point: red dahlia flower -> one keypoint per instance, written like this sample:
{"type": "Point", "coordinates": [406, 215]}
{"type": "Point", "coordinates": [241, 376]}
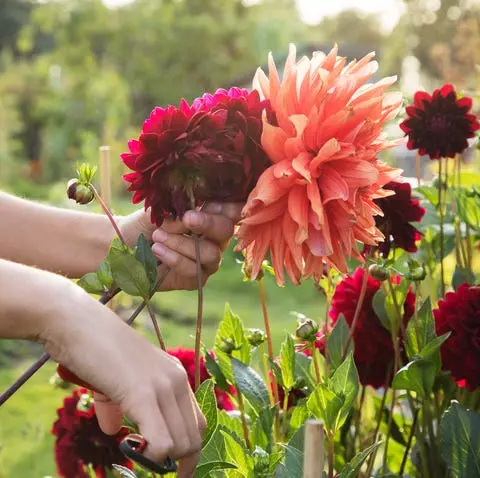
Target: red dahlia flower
{"type": "Point", "coordinates": [398, 212]}
{"type": "Point", "coordinates": [212, 147]}
{"type": "Point", "coordinates": [80, 441]}
{"type": "Point", "coordinates": [439, 125]}
{"type": "Point", "coordinates": [187, 358]}
{"type": "Point", "coordinates": [373, 353]}
{"type": "Point", "coordinates": [459, 313]}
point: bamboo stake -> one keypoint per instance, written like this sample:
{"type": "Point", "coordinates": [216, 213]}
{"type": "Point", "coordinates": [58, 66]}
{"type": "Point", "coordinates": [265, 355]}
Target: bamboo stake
{"type": "Point", "coordinates": [314, 457]}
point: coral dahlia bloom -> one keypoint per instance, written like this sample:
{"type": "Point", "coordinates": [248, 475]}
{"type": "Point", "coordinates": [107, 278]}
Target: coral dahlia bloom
{"type": "Point", "coordinates": [211, 147]}
{"type": "Point", "coordinates": [187, 358]}
{"type": "Point", "coordinates": [439, 124]}
{"type": "Point", "coordinates": [80, 441]}
{"type": "Point", "coordinates": [459, 313]}
{"type": "Point", "coordinates": [373, 352]}
{"type": "Point", "coordinates": [399, 211]}
{"type": "Point", "coordinates": [317, 198]}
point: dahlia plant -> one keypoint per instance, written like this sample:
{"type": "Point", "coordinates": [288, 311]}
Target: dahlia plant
{"type": "Point", "coordinates": [392, 370]}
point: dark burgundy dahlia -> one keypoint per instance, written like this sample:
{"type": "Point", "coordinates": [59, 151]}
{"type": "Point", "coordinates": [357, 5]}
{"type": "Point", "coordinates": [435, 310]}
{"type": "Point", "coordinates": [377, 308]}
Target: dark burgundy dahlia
{"type": "Point", "coordinates": [80, 441]}
{"type": "Point", "coordinates": [399, 211]}
{"type": "Point", "coordinates": [439, 125]}
{"type": "Point", "coordinates": [187, 358]}
{"type": "Point", "coordinates": [373, 353]}
{"type": "Point", "coordinates": [210, 148]}
{"type": "Point", "coordinates": [459, 314]}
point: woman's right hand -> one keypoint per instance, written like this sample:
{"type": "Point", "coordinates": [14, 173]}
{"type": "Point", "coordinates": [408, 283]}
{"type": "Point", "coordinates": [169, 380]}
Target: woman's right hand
{"type": "Point", "coordinates": [140, 380]}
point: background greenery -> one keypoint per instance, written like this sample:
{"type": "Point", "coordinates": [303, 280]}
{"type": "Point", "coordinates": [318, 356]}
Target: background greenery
{"type": "Point", "coordinates": [75, 75]}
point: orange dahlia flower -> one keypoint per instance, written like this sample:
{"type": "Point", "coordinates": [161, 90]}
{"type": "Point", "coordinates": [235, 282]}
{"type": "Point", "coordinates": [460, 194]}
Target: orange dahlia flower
{"type": "Point", "coordinates": [316, 200]}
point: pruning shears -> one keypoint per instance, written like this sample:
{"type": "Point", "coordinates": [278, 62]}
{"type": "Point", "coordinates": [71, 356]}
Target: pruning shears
{"type": "Point", "coordinates": [133, 446]}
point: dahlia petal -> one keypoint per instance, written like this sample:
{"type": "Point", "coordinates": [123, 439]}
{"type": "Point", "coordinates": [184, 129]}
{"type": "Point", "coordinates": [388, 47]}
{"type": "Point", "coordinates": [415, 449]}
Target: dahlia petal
{"type": "Point", "coordinates": [261, 83]}
{"type": "Point", "coordinates": [313, 194]}
{"type": "Point", "coordinates": [273, 142]}
{"type": "Point", "coordinates": [357, 173]}
{"type": "Point", "coordinates": [332, 185]}
{"type": "Point", "coordinates": [331, 147]}
{"type": "Point", "coordinates": [268, 213]}
{"type": "Point", "coordinates": [298, 210]}
{"type": "Point", "coordinates": [300, 164]}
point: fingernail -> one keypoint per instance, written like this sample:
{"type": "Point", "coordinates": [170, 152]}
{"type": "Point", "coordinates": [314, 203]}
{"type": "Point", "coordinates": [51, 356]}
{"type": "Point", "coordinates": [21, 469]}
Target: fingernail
{"type": "Point", "coordinates": [193, 218]}
{"type": "Point", "coordinates": [159, 249]}
{"type": "Point", "coordinates": [160, 235]}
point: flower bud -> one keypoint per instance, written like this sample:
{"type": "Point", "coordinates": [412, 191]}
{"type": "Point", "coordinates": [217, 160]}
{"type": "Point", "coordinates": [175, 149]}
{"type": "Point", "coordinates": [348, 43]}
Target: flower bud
{"type": "Point", "coordinates": [261, 461]}
{"type": "Point", "coordinates": [256, 337]}
{"type": "Point", "coordinates": [378, 272]}
{"type": "Point", "coordinates": [85, 403]}
{"type": "Point", "coordinates": [57, 382]}
{"type": "Point", "coordinates": [307, 330]}
{"type": "Point", "coordinates": [416, 274]}
{"type": "Point", "coordinates": [80, 193]}
{"type": "Point", "coordinates": [227, 346]}
{"type": "Point", "coordinates": [247, 272]}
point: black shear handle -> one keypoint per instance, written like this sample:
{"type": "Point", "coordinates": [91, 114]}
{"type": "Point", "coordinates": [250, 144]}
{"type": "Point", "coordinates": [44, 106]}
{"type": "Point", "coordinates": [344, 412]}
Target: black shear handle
{"type": "Point", "coordinates": [133, 445]}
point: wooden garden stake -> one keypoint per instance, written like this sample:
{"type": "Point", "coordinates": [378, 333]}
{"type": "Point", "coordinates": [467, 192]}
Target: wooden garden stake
{"type": "Point", "coordinates": [314, 457]}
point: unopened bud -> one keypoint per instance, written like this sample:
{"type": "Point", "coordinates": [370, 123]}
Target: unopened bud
{"type": "Point", "coordinates": [378, 272]}
{"type": "Point", "coordinates": [57, 382]}
{"type": "Point", "coordinates": [307, 330]}
{"type": "Point", "coordinates": [261, 461]}
{"type": "Point", "coordinates": [247, 272]}
{"type": "Point", "coordinates": [256, 337]}
{"type": "Point", "coordinates": [80, 193]}
{"type": "Point", "coordinates": [227, 346]}
{"type": "Point", "coordinates": [85, 403]}
{"type": "Point", "coordinates": [416, 274]}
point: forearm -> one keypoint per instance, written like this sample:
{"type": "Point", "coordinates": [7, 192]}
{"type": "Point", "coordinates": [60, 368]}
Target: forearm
{"type": "Point", "coordinates": [29, 299]}
{"type": "Point", "coordinates": [68, 242]}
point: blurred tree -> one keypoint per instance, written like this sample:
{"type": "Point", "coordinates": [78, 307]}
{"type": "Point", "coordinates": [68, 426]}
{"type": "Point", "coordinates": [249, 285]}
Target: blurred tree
{"type": "Point", "coordinates": [13, 15]}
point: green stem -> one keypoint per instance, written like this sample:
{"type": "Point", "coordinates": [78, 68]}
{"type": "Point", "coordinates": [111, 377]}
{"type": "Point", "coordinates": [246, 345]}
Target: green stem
{"type": "Point", "coordinates": [266, 371]}
{"type": "Point", "coordinates": [315, 362]}
{"type": "Point", "coordinates": [155, 324]}
{"type": "Point", "coordinates": [440, 206]}
{"type": "Point", "coordinates": [241, 408]}
{"type": "Point", "coordinates": [409, 443]}
{"type": "Point", "coordinates": [331, 455]}
{"type": "Point", "coordinates": [285, 414]}
{"type": "Point", "coordinates": [357, 419]}
{"type": "Point", "coordinates": [432, 439]}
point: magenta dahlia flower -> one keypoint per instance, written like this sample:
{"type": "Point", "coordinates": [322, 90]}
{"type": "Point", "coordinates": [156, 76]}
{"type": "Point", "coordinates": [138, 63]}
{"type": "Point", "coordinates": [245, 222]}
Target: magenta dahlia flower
{"type": "Point", "coordinates": [459, 314]}
{"type": "Point", "coordinates": [439, 124]}
{"type": "Point", "coordinates": [399, 211]}
{"type": "Point", "coordinates": [80, 441]}
{"type": "Point", "coordinates": [211, 147]}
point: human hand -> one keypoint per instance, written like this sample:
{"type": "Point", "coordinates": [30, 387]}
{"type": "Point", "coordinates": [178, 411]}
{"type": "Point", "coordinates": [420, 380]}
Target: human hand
{"type": "Point", "coordinates": [141, 381]}
{"type": "Point", "coordinates": [176, 250]}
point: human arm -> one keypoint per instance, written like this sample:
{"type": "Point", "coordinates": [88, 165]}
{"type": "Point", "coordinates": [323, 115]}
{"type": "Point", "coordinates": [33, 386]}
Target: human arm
{"type": "Point", "coordinates": [148, 385]}
{"type": "Point", "coordinates": [74, 242]}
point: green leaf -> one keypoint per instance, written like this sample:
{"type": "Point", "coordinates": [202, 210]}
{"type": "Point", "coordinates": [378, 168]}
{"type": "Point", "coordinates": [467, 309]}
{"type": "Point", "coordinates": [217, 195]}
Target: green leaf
{"type": "Point", "coordinates": [250, 385]}
{"type": "Point", "coordinates": [214, 370]}
{"type": "Point", "coordinates": [287, 363]}
{"type": "Point", "coordinates": [91, 284]}
{"type": "Point", "coordinates": [336, 342]}
{"type": "Point", "coordinates": [293, 465]}
{"type": "Point", "coordinates": [325, 405]}
{"type": "Point", "coordinates": [434, 345]}
{"type": "Point", "coordinates": [231, 327]}
{"type": "Point", "coordinates": [417, 376]}
{"type": "Point", "coordinates": [378, 304]}
{"type": "Point", "coordinates": [352, 468]}
{"type": "Point", "coordinates": [263, 429]}
{"type": "Point", "coordinates": [207, 402]}
{"type": "Point", "coordinates": [430, 193]}
{"type": "Point", "coordinates": [460, 276]}
{"type": "Point", "coordinates": [215, 449]}
{"type": "Point", "coordinates": [204, 470]}
{"type": "Point", "coordinates": [299, 416]}
{"type": "Point", "coordinates": [303, 369]}
{"type": "Point", "coordinates": [460, 441]}
{"type": "Point", "coordinates": [129, 273]}
{"type": "Point", "coordinates": [420, 331]}
{"type": "Point", "coordinates": [124, 472]}
{"type": "Point", "coordinates": [225, 365]}
{"type": "Point", "coordinates": [237, 454]}
{"type": "Point", "coordinates": [468, 208]}
{"type": "Point", "coordinates": [277, 372]}
{"type": "Point", "coordinates": [104, 274]}
{"type": "Point", "coordinates": [144, 253]}
{"type": "Point", "coordinates": [344, 383]}
{"type": "Point", "coordinates": [232, 422]}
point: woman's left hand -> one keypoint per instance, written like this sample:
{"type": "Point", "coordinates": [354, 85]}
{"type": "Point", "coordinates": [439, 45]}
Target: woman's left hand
{"type": "Point", "coordinates": [175, 248]}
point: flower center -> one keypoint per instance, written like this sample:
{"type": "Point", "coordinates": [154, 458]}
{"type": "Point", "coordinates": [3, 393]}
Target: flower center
{"type": "Point", "coordinates": [439, 123]}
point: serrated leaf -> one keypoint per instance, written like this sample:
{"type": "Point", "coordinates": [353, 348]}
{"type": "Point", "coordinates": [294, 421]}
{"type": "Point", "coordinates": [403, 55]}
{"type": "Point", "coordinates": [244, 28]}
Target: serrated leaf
{"type": "Point", "coordinates": [303, 369]}
{"type": "Point", "coordinates": [128, 273]}
{"type": "Point", "coordinates": [104, 274]}
{"type": "Point", "coordinates": [90, 283]}
{"type": "Point", "coordinates": [430, 193]}
{"type": "Point", "coordinates": [237, 454]}
{"type": "Point", "coordinates": [460, 441]}
{"type": "Point", "coordinates": [232, 422]}
{"type": "Point", "coordinates": [420, 330]}
{"type": "Point", "coordinates": [124, 472]}
{"type": "Point", "coordinates": [215, 371]}
{"type": "Point", "coordinates": [293, 465]}
{"type": "Point", "coordinates": [325, 405]}
{"type": "Point", "coordinates": [231, 327]}
{"type": "Point", "coordinates": [352, 468]}
{"type": "Point", "coordinates": [277, 372]}
{"type": "Point", "coordinates": [144, 253]}
{"type": "Point", "coordinates": [215, 449]}
{"type": "Point", "coordinates": [417, 376]}
{"type": "Point", "coordinates": [336, 342]}
{"type": "Point", "coordinates": [287, 363]}
{"type": "Point", "coordinates": [207, 402]}
{"type": "Point", "coordinates": [299, 416]}
{"type": "Point", "coordinates": [250, 385]}
{"type": "Point", "coordinates": [204, 470]}
{"type": "Point", "coordinates": [378, 304]}
{"type": "Point", "coordinates": [263, 429]}
{"type": "Point", "coordinates": [344, 383]}
{"type": "Point", "coordinates": [434, 345]}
